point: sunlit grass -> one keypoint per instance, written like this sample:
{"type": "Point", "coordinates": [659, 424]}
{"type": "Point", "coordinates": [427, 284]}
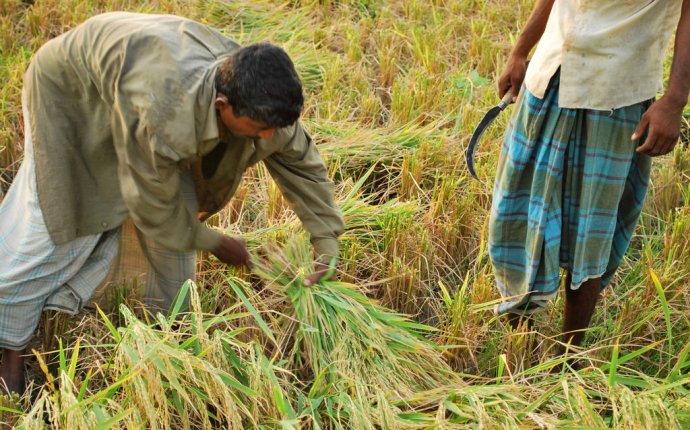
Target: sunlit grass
{"type": "Point", "coordinates": [394, 89]}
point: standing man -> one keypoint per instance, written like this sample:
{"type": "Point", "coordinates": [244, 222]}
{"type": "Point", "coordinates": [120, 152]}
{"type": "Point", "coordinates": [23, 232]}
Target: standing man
{"type": "Point", "coordinates": [574, 168]}
{"type": "Point", "coordinates": [153, 118]}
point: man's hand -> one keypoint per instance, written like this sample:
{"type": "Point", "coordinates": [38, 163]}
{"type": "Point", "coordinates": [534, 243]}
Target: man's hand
{"type": "Point", "coordinates": [514, 73]}
{"type": "Point", "coordinates": [321, 270]}
{"type": "Point", "coordinates": [233, 251]}
{"type": "Point", "coordinates": [512, 76]}
{"type": "Point", "coordinates": [662, 120]}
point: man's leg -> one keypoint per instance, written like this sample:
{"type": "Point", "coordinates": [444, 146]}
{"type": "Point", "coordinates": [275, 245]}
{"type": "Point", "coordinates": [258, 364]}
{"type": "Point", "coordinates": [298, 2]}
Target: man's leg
{"type": "Point", "coordinates": [579, 308]}
{"type": "Point", "coordinates": [32, 267]}
{"type": "Point", "coordinates": [12, 372]}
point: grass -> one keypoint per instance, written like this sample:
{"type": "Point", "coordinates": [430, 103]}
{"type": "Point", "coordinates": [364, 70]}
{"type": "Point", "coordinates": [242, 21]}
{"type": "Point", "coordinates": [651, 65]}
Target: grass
{"type": "Point", "coordinates": [406, 338]}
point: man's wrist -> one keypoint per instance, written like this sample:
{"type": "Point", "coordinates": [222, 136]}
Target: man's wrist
{"type": "Point", "coordinates": [207, 239]}
{"type": "Point", "coordinates": [519, 54]}
{"type": "Point", "coordinates": [676, 98]}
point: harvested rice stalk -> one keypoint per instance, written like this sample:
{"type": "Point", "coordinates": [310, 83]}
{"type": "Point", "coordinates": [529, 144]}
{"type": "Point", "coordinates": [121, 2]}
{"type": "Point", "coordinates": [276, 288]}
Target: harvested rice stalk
{"type": "Point", "coordinates": [346, 339]}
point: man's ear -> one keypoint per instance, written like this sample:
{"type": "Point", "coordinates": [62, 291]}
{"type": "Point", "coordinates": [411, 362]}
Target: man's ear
{"type": "Point", "coordinates": [221, 101]}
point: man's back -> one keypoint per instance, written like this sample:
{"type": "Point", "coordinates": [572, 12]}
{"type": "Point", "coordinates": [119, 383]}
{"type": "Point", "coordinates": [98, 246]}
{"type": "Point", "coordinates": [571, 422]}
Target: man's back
{"type": "Point", "coordinates": [118, 79]}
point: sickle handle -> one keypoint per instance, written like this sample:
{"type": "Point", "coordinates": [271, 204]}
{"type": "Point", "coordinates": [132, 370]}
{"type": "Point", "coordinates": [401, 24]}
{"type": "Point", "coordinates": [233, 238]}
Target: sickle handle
{"type": "Point", "coordinates": [506, 100]}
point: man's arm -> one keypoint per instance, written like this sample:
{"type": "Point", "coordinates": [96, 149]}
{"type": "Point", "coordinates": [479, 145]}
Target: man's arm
{"type": "Point", "coordinates": [662, 119]}
{"type": "Point", "coordinates": [303, 179]}
{"type": "Point", "coordinates": [514, 72]}
{"type": "Point", "coordinates": [150, 181]}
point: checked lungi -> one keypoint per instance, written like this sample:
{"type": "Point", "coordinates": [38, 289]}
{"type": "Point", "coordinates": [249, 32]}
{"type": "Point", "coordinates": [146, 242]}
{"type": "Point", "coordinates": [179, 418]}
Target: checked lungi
{"type": "Point", "coordinates": [568, 194]}
{"type": "Point", "coordinates": [37, 274]}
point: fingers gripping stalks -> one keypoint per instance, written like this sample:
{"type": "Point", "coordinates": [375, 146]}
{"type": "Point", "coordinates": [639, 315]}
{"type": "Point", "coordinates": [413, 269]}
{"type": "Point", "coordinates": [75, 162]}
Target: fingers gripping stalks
{"type": "Point", "coordinates": [233, 251]}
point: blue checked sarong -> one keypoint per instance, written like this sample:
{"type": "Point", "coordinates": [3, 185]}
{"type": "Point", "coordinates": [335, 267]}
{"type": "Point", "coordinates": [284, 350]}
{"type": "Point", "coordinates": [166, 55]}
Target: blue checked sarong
{"type": "Point", "coordinates": [568, 194]}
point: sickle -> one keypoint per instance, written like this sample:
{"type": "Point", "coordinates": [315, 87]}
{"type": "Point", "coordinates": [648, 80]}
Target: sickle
{"type": "Point", "coordinates": [489, 117]}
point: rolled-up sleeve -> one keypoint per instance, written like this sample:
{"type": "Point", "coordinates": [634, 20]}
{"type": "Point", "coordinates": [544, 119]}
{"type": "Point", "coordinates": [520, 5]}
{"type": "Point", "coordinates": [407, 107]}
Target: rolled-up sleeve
{"type": "Point", "coordinates": [302, 177]}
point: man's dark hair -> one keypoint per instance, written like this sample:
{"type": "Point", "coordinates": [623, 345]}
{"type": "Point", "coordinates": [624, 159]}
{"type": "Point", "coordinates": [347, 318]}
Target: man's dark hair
{"type": "Point", "coordinates": [261, 82]}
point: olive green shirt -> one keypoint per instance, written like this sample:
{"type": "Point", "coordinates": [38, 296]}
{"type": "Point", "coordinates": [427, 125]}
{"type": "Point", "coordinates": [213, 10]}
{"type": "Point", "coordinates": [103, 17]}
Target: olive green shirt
{"type": "Point", "coordinates": [122, 105]}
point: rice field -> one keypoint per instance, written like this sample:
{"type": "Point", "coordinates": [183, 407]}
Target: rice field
{"type": "Point", "coordinates": [406, 337]}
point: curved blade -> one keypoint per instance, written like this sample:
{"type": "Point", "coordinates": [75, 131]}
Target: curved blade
{"type": "Point", "coordinates": [489, 117]}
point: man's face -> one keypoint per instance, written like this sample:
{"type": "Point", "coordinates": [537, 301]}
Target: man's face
{"type": "Point", "coordinates": [241, 126]}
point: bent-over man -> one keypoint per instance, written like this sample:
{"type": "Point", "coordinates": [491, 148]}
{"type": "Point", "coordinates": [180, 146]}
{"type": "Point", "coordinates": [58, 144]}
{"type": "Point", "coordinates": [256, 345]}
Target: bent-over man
{"type": "Point", "coordinates": [153, 118]}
